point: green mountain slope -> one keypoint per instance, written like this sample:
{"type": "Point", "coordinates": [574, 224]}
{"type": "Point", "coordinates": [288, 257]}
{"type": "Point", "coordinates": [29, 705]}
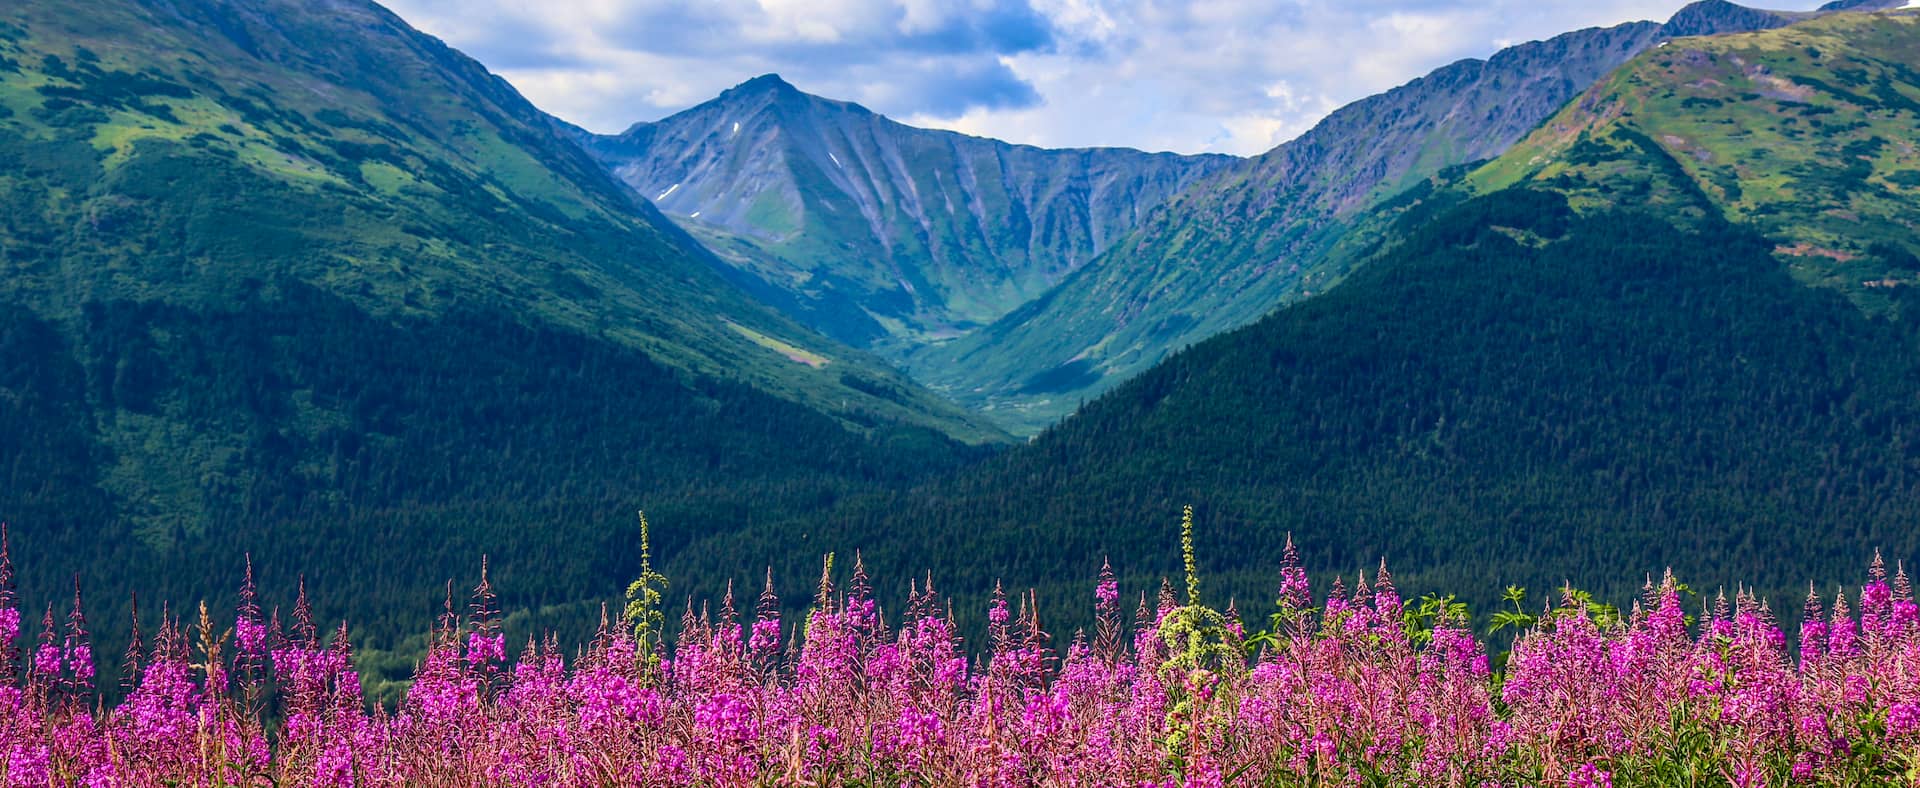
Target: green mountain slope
{"type": "Point", "coordinates": [292, 278]}
{"type": "Point", "coordinates": [878, 233]}
{"type": "Point", "coordinates": [189, 151]}
{"type": "Point", "coordinates": [1235, 245]}
{"type": "Point", "coordinates": [1805, 133]}
{"type": "Point", "coordinates": [1517, 386]}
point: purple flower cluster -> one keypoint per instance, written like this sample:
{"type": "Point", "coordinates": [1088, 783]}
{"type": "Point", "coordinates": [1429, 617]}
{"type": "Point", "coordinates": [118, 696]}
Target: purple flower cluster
{"type": "Point", "coordinates": [1346, 688]}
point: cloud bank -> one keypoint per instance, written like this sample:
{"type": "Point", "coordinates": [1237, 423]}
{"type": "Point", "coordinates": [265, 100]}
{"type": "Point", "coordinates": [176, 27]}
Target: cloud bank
{"type": "Point", "coordinates": [1227, 76]}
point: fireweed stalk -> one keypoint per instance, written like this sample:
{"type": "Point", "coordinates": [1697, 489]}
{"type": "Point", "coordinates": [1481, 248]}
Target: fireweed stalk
{"type": "Point", "coordinates": [1343, 689]}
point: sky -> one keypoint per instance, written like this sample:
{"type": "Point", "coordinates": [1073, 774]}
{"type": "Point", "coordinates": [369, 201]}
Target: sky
{"type": "Point", "coordinates": [1219, 76]}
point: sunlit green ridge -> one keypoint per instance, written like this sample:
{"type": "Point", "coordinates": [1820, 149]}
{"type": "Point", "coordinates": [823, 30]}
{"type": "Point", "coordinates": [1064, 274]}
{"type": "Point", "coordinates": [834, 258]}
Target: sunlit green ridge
{"type": "Point", "coordinates": [192, 151]}
{"type": "Point", "coordinates": [1805, 133]}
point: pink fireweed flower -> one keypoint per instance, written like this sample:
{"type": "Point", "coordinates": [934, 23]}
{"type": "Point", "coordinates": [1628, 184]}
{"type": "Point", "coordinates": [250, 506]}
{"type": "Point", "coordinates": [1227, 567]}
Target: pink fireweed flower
{"type": "Point", "coordinates": [249, 629]}
{"type": "Point", "coordinates": [1590, 776]}
{"type": "Point", "coordinates": [1803, 768]}
{"type": "Point", "coordinates": [9, 626]}
{"type": "Point", "coordinates": [1342, 696]}
{"type": "Point", "coordinates": [80, 660]}
{"type": "Point", "coordinates": [250, 636]}
{"type": "Point", "coordinates": [1295, 593]}
{"type": "Point", "coordinates": [1842, 637]}
{"type": "Point", "coordinates": [1903, 720]}
{"type": "Point", "coordinates": [484, 649]}
{"type": "Point", "coordinates": [46, 656]}
{"type": "Point", "coordinates": [1813, 631]}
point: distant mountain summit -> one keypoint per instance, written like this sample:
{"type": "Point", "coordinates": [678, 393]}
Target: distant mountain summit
{"type": "Point", "coordinates": [879, 233]}
{"type": "Point", "coordinates": [1715, 17]}
{"type": "Point", "coordinates": [1864, 5]}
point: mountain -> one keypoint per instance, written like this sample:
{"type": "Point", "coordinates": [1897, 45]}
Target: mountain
{"type": "Point", "coordinates": [1522, 383]}
{"type": "Point", "coordinates": [1232, 246]}
{"type": "Point", "coordinates": [1864, 5]}
{"type": "Point", "coordinates": [880, 234]}
{"type": "Point", "coordinates": [405, 204]}
{"type": "Point", "coordinates": [291, 278]}
{"type": "Point", "coordinates": [1802, 134]}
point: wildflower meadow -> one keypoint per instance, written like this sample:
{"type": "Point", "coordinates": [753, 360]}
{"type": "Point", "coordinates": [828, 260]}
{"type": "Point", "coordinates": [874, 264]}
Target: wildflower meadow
{"type": "Point", "coordinates": [1353, 686]}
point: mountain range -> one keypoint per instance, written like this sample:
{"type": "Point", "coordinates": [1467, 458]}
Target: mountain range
{"type": "Point", "coordinates": [1021, 281]}
{"type": "Point", "coordinates": [1658, 333]}
{"type": "Point", "coordinates": [1267, 231]}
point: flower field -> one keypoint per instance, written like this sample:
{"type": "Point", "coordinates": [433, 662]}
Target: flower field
{"type": "Point", "coordinates": [1349, 687]}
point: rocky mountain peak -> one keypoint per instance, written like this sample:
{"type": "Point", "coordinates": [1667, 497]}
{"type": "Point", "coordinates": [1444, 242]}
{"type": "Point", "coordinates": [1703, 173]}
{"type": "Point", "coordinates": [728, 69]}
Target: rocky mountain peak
{"type": "Point", "coordinates": [1715, 17]}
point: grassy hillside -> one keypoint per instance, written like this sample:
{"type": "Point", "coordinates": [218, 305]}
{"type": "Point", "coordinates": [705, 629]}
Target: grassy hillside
{"type": "Point", "coordinates": [190, 152]}
{"type": "Point", "coordinates": [1805, 133]}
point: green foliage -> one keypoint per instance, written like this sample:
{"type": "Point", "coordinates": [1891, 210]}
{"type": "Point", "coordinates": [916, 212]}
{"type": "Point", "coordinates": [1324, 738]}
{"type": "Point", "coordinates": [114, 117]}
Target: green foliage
{"type": "Point", "coordinates": [1516, 619]}
{"type": "Point", "coordinates": [1430, 611]}
{"type": "Point", "coordinates": [643, 612]}
{"type": "Point", "coordinates": [1203, 650]}
{"type": "Point", "coordinates": [1573, 602]}
{"type": "Point", "coordinates": [1584, 603]}
{"type": "Point", "coordinates": [1187, 560]}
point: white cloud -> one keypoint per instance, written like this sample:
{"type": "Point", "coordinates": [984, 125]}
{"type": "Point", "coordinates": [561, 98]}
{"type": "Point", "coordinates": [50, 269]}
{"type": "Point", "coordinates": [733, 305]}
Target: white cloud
{"type": "Point", "coordinates": [1234, 76]}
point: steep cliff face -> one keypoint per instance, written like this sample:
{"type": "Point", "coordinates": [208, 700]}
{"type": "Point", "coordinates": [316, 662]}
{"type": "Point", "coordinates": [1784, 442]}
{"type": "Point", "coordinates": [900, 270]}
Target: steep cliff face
{"type": "Point", "coordinates": [879, 233]}
{"type": "Point", "coordinates": [1234, 245]}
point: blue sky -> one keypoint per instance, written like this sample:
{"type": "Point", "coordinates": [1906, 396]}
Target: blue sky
{"type": "Point", "coordinates": [1229, 76]}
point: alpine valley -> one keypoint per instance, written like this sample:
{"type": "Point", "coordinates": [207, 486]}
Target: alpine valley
{"type": "Point", "coordinates": [1672, 327]}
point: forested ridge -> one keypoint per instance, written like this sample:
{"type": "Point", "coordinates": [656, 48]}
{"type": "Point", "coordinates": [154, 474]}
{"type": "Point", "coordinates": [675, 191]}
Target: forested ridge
{"type": "Point", "coordinates": [1514, 393]}
{"type": "Point", "coordinates": [386, 457]}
